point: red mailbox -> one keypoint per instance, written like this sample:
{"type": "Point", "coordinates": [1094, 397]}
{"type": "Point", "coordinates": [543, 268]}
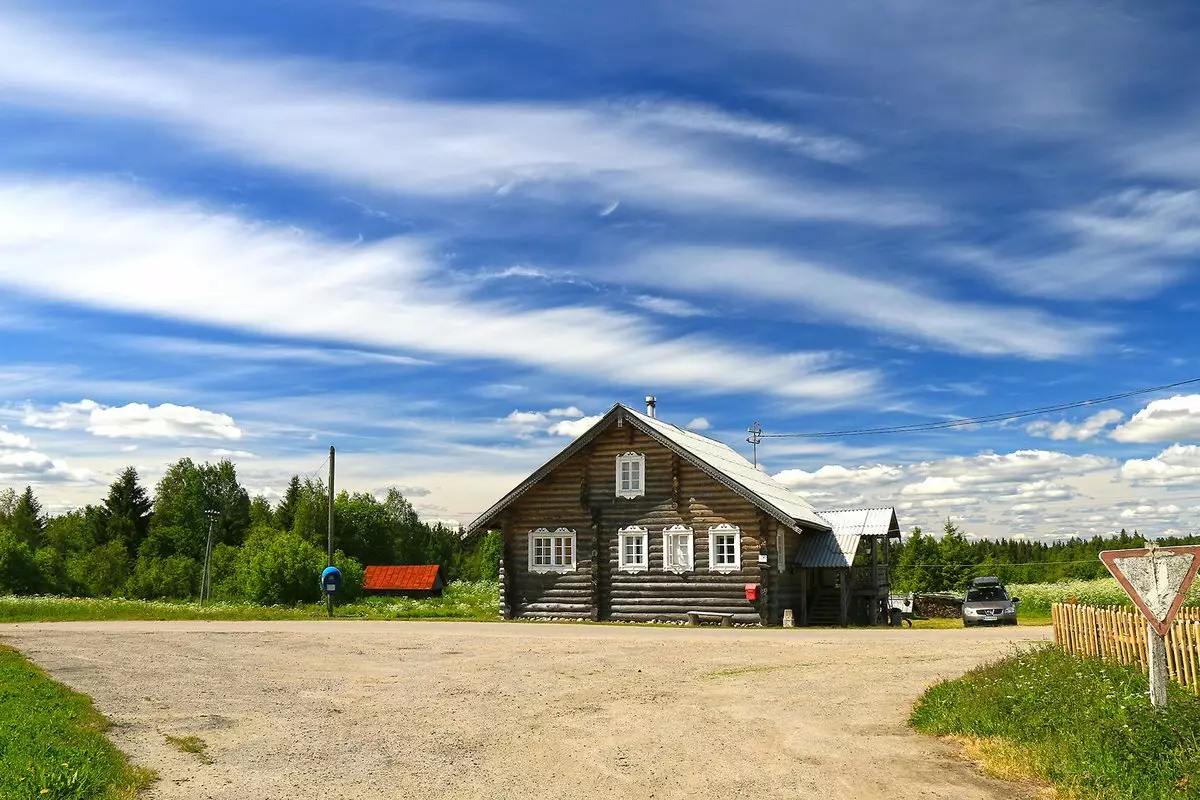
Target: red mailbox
{"type": "Point", "coordinates": [752, 592]}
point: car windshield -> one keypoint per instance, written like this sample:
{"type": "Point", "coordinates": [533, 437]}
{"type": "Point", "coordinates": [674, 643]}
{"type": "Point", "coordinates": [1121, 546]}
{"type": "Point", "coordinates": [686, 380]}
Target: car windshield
{"type": "Point", "coordinates": [986, 594]}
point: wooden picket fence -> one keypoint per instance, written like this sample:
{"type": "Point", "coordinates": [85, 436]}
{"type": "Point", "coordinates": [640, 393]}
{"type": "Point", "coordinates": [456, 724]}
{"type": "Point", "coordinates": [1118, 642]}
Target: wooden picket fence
{"type": "Point", "coordinates": [1118, 633]}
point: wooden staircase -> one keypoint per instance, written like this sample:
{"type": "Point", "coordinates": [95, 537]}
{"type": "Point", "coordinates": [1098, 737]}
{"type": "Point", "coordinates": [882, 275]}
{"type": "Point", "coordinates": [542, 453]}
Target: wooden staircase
{"type": "Point", "coordinates": [824, 607]}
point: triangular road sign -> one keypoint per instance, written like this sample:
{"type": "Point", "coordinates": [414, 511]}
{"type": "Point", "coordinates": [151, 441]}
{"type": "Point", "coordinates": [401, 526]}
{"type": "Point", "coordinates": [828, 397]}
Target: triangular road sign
{"type": "Point", "coordinates": [1156, 579]}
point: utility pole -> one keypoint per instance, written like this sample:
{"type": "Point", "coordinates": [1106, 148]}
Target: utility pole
{"type": "Point", "coordinates": [755, 438]}
{"type": "Point", "coordinates": [206, 575]}
{"type": "Point", "coordinates": [328, 596]}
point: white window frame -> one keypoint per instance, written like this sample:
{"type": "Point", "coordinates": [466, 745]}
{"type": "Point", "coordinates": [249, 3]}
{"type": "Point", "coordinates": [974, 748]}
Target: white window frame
{"type": "Point", "coordinates": [724, 529]}
{"type": "Point", "coordinates": [668, 551]}
{"type": "Point", "coordinates": [632, 458]}
{"type": "Point", "coordinates": [557, 551]}
{"type": "Point", "coordinates": [625, 535]}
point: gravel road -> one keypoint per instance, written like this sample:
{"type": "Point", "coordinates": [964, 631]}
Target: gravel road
{"type": "Point", "coordinates": [480, 710]}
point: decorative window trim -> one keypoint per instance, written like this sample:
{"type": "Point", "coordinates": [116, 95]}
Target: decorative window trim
{"type": "Point", "coordinates": [724, 530]}
{"type": "Point", "coordinates": [679, 530]}
{"type": "Point", "coordinates": [623, 536]}
{"type": "Point", "coordinates": [559, 558]}
{"type": "Point", "coordinates": [632, 458]}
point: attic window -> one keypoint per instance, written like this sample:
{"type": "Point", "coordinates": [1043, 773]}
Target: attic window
{"type": "Point", "coordinates": [634, 549]}
{"type": "Point", "coordinates": [552, 552]}
{"type": "Point", "coordinates": [724, 548]}
{"type": "Point", "coordinates": [631, 475]}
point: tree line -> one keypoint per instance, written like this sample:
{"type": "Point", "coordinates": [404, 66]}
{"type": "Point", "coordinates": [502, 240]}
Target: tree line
{"type": "Point", "coordinates": [134, 544]}
{"type": "Point", "coordinates": [923, 563]}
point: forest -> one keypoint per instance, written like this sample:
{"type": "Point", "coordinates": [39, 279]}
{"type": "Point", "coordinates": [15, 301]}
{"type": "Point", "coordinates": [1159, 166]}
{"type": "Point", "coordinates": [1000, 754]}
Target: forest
{"type": "Point", "coordinates": [924, 563]}
{"type": "Point", "coordinates": [136, 545]}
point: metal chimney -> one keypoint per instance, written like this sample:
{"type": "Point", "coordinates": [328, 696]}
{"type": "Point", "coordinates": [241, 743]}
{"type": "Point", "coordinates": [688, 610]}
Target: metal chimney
{"type": "Point", "coordinates": [651, 403]}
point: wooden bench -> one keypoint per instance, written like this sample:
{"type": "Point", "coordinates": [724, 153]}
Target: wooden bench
{"type": "Point", "coordinates": [694, 618]}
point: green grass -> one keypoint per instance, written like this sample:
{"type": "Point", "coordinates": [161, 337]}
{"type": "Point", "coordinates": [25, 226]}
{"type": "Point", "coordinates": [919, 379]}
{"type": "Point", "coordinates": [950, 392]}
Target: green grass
{"type": "Point", "coordinates": [190, 744]}
{"type": "Point", "coordinates": [52, 743]}
{"type": "Point", "coordinates": [460, 600]}
{"type": "Point", "coordinates": [1082, 725]}
{"type": "Point", "coordinates": [1036, 598]}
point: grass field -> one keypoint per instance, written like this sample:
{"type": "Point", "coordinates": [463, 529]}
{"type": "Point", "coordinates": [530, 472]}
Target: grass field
{"type": "Point", "coordinates": [460, 600]}
{"type": "Point", "coordinates": [52, 743]}
{"type": "Point", "coordinates": [1036, 598]}
{"type": "Point", "coordinates": [1083, 725]}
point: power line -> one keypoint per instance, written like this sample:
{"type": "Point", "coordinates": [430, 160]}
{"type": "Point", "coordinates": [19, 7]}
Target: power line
{"type": "Point", "coordinates": [958, 423]}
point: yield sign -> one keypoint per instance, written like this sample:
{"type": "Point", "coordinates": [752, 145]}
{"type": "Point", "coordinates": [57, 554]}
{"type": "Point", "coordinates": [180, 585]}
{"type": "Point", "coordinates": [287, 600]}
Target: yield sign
{"type": "Point", "coordinates": [1156, 579]}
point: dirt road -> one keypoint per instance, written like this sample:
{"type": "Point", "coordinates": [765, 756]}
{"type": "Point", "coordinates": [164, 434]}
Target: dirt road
{"type": "Point", "coordinates": [480, 710]}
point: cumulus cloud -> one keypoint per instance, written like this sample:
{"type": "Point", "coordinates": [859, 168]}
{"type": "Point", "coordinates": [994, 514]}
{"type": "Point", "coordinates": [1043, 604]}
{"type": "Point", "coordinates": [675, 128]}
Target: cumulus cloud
{"type": "Point", "coordinates": [569, 422]}
{"type": "Point", "coordinates": [221, 452]}
{"type": "Point", "coordinates": [14, 441]}
{"type": "Point", "coordinates": [35, 467]}
{"type": "Point", "coordinates": [1090, 428]}
{"type": "Point", "coordinates": [135, 421]}
{"type": "Point", "coordinates": [1172, 419]}
{"type": "Point", "coordinates": [699, 424]}
{"type": "Point", "coordinates": [1176, 466]}
{"type": "Point", "coordinates": [573, 428]}
{"type": "Point", "coordinates": [837, 476]}
{"type": "Point", "coordinates": [64, 416]}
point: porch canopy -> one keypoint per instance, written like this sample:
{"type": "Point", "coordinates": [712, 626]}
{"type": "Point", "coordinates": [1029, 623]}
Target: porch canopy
{"type": "Point", "coordinates": [836, 548]}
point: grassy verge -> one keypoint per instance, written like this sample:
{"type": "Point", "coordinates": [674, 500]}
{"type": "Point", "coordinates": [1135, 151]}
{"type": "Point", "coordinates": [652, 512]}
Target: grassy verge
{"type": "Point", "coordinates": [462, 600]}
{"type": "Point", "coordinates": [52, 743]}
{"type": "Point", "coordinates": [1083, 725]}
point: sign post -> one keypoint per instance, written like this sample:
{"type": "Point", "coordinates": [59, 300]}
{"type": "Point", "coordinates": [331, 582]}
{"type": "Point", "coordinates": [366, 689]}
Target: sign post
{"type": "Point", "coordinates": [1156, 580]}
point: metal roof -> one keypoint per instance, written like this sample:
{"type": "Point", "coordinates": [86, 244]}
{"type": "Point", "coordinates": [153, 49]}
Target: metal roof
{"type": "Point", "coordinates": [401, 578]}
{"type": "Point", "coordinates": [724, 459]}
{"type": "Point", "coordinates": [717, 460]}
{"type": "Point", "coordinates": [835, 549]}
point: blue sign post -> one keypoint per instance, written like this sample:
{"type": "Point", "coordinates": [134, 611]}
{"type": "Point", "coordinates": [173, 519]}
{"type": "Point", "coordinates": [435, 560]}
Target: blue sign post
{"type": "Point", "coordinates": [331, 581]}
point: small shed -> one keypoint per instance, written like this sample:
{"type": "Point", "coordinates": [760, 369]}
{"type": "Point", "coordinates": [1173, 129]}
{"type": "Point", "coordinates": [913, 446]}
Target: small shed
{"type": "Point", "coordinates": [411, 580]}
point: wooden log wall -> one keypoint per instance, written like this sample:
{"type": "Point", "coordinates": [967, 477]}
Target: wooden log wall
{"type": "Point", "coordinates": [581, 495]}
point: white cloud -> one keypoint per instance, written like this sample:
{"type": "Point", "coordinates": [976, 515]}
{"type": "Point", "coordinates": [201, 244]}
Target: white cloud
{"type": "Point", "coordinates": [699, 424]}
{"type": "Point", "coordinates": [105, 246]}
{"type": "Point", "coordinates": [1177, 465]}
{"type": "Point", "coordinates": [14, 441]}
{"type": "Point", "coordinates": [141, 421]}
{"type": "Point", "coordinates": [710, 120]}
{"type": "Point", "coordinates": [129, 448]}
{"type": "Point", "coordinates": [573, 428]}
{"type": "Point", "coordinates": [64, 416]}
{"type": "Point", "coordinates": [669, 306]}
{"type": "Point", "coordinates": [890, 306]}
{"type": "Point", "coordinates": [134, 421]}
{"type": "Point", "coordinates": [1090, 428]}
{"type": "Point", "coordinates": [569, 411]}
{"type": "Point", "coordinates": [336, 129]}
{"type": "Point", "coordinates": [837, 476]}
{"type": "Point", "coordinates": [35, 468]}
{"type": "Point", "coordinates": [221, 452]}
{"type": "Point", "coordinates": [1169, 420]}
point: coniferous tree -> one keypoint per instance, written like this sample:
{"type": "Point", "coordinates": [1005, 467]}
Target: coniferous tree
{"type": "Point", "coordinates": [26, 523]}
{"type": "Point", "coordinates": [127, 511]}
{"type": "Point", "coordinates": [285, 514]}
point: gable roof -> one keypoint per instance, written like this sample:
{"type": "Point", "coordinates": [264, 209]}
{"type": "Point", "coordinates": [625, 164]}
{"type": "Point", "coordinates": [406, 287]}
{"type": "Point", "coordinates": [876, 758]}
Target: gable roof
{"type": "Point", "coordinates": [717, 460]}
{"type": "Point", "coordinates": [837, 548]}
{"type": "Point", "coordinates": [421, 578]}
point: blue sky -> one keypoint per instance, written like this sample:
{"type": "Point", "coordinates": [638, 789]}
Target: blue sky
{"type": "Point", "coordinates": [442, 235]}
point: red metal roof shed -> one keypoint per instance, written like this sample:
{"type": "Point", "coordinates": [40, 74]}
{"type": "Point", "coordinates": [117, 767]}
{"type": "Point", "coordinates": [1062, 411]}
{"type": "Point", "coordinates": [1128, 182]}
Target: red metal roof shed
{"type": "Point", "coordinates": [409, 578]}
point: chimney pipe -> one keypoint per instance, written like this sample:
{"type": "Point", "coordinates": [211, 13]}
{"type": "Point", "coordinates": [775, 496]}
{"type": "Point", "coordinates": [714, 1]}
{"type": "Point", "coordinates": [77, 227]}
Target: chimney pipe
{"type": "Point", "coordinates": [651, 403]}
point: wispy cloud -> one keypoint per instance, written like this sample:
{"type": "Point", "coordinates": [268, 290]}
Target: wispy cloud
{"type": "Point", "coordinates": [104, 246]}
{"type": "Point", "coordinates": [881, 304]}
{"type": "Point", "coordinates": [311, 118]}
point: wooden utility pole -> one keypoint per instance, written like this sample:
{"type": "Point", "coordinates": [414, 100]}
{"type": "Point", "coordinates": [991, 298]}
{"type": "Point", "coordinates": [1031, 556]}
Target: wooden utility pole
{"type": "Point", "coordinates": [328, 596]}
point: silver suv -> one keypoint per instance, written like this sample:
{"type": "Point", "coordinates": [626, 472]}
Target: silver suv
{"type": "Point", "coordinates": [988, 603]}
